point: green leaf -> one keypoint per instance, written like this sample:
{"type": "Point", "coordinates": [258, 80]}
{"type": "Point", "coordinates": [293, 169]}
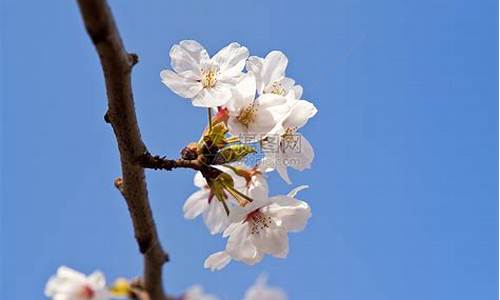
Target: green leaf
{"type": "Point", "coordinates": [233, 153]}
{"type": "Point", "coordinates": [217, 186]}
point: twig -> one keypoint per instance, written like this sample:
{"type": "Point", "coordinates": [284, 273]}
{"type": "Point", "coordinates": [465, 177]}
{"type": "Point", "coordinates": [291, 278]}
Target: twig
{"type": "Point", "coordinates": [209, 119]}
{"type": "Point", "coordinates": [156, 162]}
{"type": "Point", "coordinates": [117, 65]}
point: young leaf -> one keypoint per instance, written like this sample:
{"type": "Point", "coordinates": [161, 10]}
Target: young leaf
{"type": "Point", "coordinates": [233, 153]}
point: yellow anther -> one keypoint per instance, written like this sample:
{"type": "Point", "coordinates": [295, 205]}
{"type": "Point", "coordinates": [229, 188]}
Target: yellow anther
{"type": "Point", "coordinates": [277, 89]}
{"type": "Point", "coordinates": [289, 134]}
{"type": "Point", "coordinates": [120, 288]}
{"type": "Point", "coordinates": [247, 115]}
{"type": "Point", "coordinates": [208, 78]}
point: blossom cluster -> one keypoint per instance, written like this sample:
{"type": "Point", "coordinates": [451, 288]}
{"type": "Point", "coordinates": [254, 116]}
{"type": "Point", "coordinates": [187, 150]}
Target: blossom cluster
{"type": "Point", "coordinates": [253, 109]}
{"type": "Point", "coordinates": [69, 284]}
{"type": "Point", "coordinates": [258, 109]}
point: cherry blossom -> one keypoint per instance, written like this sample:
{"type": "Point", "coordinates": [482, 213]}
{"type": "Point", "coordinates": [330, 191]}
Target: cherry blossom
{"type": "Point", "coordinates": [261, 228]}
{"type": "Point", "coordinates": [261, 291]}
{"type": "Point", "coordinates": [270, 74]}
{"type": "Point", "coordinates": [253, 116]}
{"type": "Point", "coordinates": [202, 202]}
{"type": "Point", "coordinates": [207, 81]}
{"type": "Point", "coordinates": [293, 149]}
{"type": "Point", "coordinates": [69, 284]}
{"type": "Point", "coordinates": [263, 106]}
{"type": "Point", "coordinates": [196, 293]}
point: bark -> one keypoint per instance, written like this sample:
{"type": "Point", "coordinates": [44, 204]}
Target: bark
{"type": "Point", "coordinates": [117, 65]}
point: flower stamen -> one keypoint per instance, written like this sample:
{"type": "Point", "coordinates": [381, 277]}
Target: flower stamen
{"type": "Point", "coordinates": [209, 78]}
{"type": "Point", "coordinates": [278, 89]}
{"type": "Point", "coordinates": [288, 139]}
{"type": "Point", "coordinates": [289, 134]}
{"type": "Point", "coordinates": [247, 115]}
{"type": "Point", "coordinates": [258, 221]}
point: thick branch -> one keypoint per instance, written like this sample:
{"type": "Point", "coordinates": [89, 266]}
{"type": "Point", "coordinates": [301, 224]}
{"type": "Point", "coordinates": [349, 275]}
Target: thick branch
{"type": "Point", "coordinates": [117, 65]}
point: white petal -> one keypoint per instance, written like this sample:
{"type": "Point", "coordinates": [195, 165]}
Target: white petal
{"type": "Point", "coordinates": [184, 87]}
{"type": "Point", "coordinates": [102, 294]}
{"type": "Point", "coordinates": [254, 64]}
{"type": "Point", "coordinates": [299, 114]}
{"type": "Point", "coordinates": [282, 170]}
{"type": "Point", "coordinates": [290, 155]}
{"type": "Point", "coordinates": [268, 100]}
{"type": "Point", "coordinates": [239, 181]}
{"type": "Point", "coordinates": [265, 120]}
{"type": "Point", "coordinates": [293, 213]}
{"type": "Point", "coordinates": [217, 261]}
{"type": "Point", "coordinates": [187, 57]}
{"type": "Point", "coordinates": [97, 280]}
{"type": "Point", "coordinates": [235, 127]}
{"type": "Point", "coordinates": [212, 97]}
{"type": "Point", "coordinates": [272, 240]}
{"type": "Point", "coordinates": [296, 190]}
{"type": "Point", "coordinates": [196, 293]}
{"type": "Point", "coordinates": [297, 91]}
{"type": "Point", "coordinates": [287, 83]}
{"type": "Point", "coordinates": [68, 273]}
{"type": "Point", "coordinates": [252, 259]}
{"type": "Point", "coordinates": [215, 217]}
{"type": "Point", "coordinates": [54, 284]}
{"type": "Point", "coordinates": [273, 69]}
{"type": "Point", "coordinates": [231, 59]}
{"type": "Point", "coordinates": [260, 291]}
{"type": "Point", "coordinates": [306, 155]}
{"type": "Point", "coordinates": [241, 248]}
{"type": "Point", "coordinates": [231, 228]}
{"type": "Point", "coordinates": [196, 204]}
{"type": "Point", "coordinates": [249, 255]}
{"type": "Point", "coordinates": [243, 94]}
{"type": "Point", "coordinates": [238, 213]}
{"type": "Point", "coordinates": [199, 180]}
{"type": "Point", "coordinates": [258, 187]}
{"type": "Point", "coordinates": [237, 239]}
{"type": "Point", "coordinates": [67, 284]}
{"type": "Point", "coordinates": [268, 163]}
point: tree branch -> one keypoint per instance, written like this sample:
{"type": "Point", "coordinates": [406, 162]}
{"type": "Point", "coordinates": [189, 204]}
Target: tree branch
{"type": "Point", "coordinates": [117, 65]}
{"type": "Point", "coordinates": [156, 162]}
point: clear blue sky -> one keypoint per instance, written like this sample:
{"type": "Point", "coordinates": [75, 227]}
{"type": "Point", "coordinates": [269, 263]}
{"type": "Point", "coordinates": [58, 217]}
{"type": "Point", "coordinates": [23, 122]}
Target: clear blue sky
{"type": "Point", "coordinates": [403, 188]}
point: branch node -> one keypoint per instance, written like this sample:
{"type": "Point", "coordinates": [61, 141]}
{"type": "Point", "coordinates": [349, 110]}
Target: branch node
{"type": "Point", "coordinates": [133, 59]}
{"type": "Point", "coordinates": [146, 160]}
{"type": "Point", "coordinates": [119, 184]}
{"type": "Point", "coordinates": [144, 244]}
{"type": "Point", "coordinates": [189, 153]}
{"type": "Point", "coordinates": [107, 117]}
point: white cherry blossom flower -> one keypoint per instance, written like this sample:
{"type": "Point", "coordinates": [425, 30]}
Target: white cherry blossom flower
{"type": "Point", "coordinates": [290, 149]}
{"type": "Point", "coordinates": [261, 228]}
{"type": "Point", "coordinates": [196, 293]}
{"type": "Point", "coordinates": [207, 81]}
{"type": "Point", "coordinates": [69, 284]}
{"type": "Point", "coordinates": [261, 291]}
{"type": "Point", "coordinates": [250, 116]}
{"type": "Point", "coordinates": [270, 74]}
{"type": "Point", "coordinates": [203, 202]}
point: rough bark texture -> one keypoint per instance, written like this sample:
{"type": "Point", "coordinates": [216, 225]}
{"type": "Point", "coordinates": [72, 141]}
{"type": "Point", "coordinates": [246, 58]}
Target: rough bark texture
{"type": "Point", "coordinates": [117, 65]}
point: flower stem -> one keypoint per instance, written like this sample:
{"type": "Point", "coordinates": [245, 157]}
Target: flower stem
{"type": "Point", "coordinates": [209, 119]}
{"type": "Point", "coordinates": [241, 198]}
{"type": "Point", "coordinates": [232, 139]}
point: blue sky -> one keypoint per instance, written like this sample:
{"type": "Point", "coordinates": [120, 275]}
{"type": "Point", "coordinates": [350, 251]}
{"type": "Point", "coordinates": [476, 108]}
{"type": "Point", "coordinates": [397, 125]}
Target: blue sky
{"type": "Point", "coordinates": [403, 188]}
